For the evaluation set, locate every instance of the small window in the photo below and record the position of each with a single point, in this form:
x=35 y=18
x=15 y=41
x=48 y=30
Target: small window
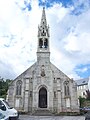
x=42 y=72
x=83 y=93
x=55 y=81
x=54 y=94
x=66 y=88
x=30 y=93
x=18 y=87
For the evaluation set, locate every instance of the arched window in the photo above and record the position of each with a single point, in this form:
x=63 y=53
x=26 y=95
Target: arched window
x=18 y=87
x=66 y=88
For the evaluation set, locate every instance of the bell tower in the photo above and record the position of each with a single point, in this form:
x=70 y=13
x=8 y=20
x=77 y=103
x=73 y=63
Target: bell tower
x=43 y=38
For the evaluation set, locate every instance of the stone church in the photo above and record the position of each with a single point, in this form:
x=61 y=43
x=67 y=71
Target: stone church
x=43 y=85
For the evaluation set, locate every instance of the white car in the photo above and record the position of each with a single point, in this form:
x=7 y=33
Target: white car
x=6 y=110
x=3 y=117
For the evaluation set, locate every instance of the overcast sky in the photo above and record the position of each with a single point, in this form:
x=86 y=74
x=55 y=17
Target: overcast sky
x=69 y=22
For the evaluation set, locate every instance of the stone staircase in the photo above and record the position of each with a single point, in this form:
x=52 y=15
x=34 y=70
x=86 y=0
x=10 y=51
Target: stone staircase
x=42 y=112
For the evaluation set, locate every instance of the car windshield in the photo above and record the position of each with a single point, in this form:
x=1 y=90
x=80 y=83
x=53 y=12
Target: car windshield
x=7 y=104
x=1 y=116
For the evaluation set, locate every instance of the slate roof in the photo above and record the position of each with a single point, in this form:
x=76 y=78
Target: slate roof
x=82 y=81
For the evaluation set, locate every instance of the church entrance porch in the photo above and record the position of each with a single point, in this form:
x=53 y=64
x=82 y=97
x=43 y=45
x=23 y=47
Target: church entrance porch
x=43 y=98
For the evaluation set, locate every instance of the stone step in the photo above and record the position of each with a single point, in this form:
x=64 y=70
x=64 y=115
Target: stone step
x=42 y=112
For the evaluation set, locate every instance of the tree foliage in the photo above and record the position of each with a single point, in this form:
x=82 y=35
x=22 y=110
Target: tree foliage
x=4 y=84
x=88 y=94
x=81 y=101
x=85 y=101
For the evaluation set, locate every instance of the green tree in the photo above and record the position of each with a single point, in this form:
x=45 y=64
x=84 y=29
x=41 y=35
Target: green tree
x=88 y=94
x=4 y=84
x=81 y=101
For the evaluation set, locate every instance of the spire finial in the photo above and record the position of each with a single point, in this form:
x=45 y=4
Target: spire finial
x=44 y=2
x=43 y=19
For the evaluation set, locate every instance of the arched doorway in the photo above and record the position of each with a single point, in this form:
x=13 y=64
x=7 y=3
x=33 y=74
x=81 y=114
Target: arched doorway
x=43 y=98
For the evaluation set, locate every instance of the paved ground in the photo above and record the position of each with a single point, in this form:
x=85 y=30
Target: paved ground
x=28 y=117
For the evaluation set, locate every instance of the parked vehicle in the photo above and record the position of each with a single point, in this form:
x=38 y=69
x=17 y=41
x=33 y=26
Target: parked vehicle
x=81 y=108
x=3 y=117
x=87 y=116
x=7 y=110
x=86 y=109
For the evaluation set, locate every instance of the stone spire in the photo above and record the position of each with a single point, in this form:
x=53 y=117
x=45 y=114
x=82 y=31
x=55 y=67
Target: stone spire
x=43 y=33
x=43 y=29
x=43 y=37
x=43 y=19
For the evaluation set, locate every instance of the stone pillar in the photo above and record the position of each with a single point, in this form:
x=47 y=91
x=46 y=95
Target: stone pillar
x=50 y=102
x=26 y=96
x=26 y=102
x=59 y=95
x=48 y=99
x=59 y=100
x=74 y=99
x=37 y=99
x=34 y=100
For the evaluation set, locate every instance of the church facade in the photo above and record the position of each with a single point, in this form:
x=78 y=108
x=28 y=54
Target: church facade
x=43 y=85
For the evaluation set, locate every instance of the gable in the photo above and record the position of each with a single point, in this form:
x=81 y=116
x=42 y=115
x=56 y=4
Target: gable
x=58 y=72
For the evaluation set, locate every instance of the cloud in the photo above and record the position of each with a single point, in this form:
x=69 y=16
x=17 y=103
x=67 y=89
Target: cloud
x=72 y=36
x=69 y=36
